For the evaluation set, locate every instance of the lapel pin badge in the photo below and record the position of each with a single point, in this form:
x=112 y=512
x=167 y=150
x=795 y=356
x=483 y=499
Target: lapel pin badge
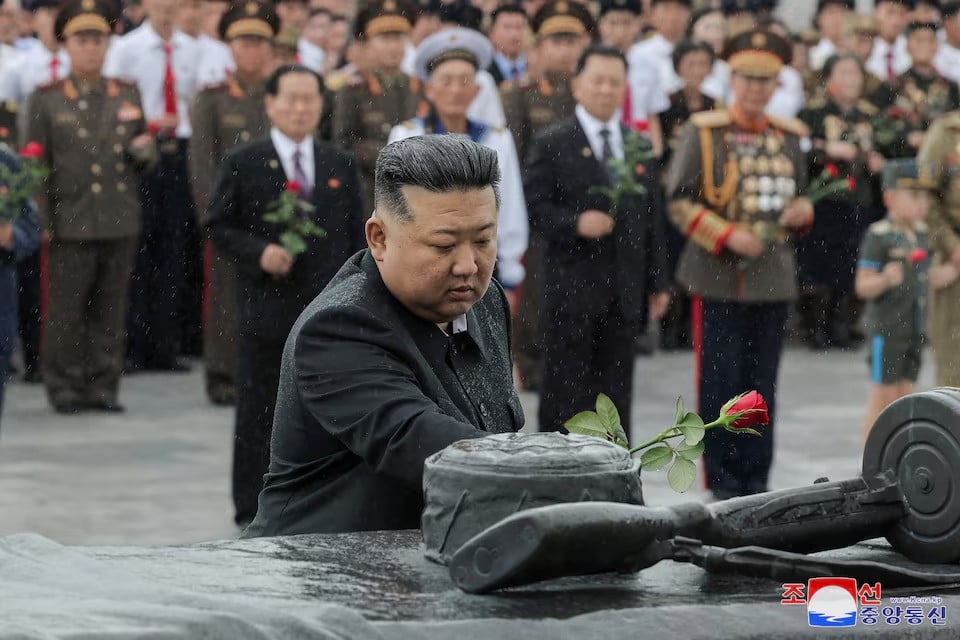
x=333 y=183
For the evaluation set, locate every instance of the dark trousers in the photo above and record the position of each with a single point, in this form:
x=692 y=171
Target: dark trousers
x=8 y=322
x=84 y=346
x=258 y=377
x=155 y=323
x=526 y=329
x=29 y=302
x=220 y=332
x=585 y=352
x=740 y=350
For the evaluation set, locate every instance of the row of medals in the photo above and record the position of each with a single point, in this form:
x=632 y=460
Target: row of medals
x=767 y=183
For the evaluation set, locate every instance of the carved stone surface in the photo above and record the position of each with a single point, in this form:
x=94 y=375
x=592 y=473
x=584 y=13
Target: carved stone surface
x=473 y=484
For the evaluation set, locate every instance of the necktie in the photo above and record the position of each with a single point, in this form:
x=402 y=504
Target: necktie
x=306 y=185
x=169 y=82
x=54 y=67
x=626 y=114
x=514 y=72
x=891 y=76
x=606 y=154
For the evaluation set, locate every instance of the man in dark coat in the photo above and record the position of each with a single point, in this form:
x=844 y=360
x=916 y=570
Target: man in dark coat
x=602 y=274
x=274 y=285
x=404 y=353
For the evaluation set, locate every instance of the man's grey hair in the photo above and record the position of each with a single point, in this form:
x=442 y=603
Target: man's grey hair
x=437 y=163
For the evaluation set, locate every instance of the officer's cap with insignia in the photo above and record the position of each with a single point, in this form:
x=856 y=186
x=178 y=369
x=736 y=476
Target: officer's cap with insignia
x=633 y=6
x=76 y=16
x=562 y=17
x=251 y=19
x=758 y=53
x=907 y=173
x=456 y=43
x=386 y=16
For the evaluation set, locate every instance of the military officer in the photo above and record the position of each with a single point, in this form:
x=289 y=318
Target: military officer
x=447 y=62
x=941 y=150
x=224 y=116
x=735 y=189
x=366 y=111
x=95 y=143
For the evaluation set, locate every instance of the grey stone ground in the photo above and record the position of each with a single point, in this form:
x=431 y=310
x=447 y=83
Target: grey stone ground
x=160 y=474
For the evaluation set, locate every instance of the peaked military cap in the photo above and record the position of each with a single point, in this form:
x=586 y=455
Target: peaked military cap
x=456 y=43
x=386 y=16
x=562 y=16
x=249 y=18
x=907 y=173
x=758 y=53
x=84 y=15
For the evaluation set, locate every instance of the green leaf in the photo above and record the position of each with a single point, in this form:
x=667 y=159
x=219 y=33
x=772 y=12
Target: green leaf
x=752 y=432
x=691 y=426
x=690 y=451
x=587 y=423
x=682 y=475
x=620 y=437
x=656 y=458
x=680 y=412
x=271 y=217
x=293 y=243
x=608 y=412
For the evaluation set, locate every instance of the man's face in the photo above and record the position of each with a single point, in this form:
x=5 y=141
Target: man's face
x=670 y=19
x=559 y=52
x=753 y=93
x=831 y=20
x=8 y=28
x=618 y=29
x=908 y=205
x=452 y=87
x=315 y=31
x=190 y=17
x=439 y=264
x=601 y=87
x=251 y=54
x=337 y=36
x=211 y=12
x=712 y=29
x=86 y=49
x=295 y=110
x=292 y=13
x=386 y=50
x=43 y=19
x=507 y=34
x=694 y=68
x=922 y=47
x=891 y=19
x=862 y=45
x=846 y=81
x=162 y=11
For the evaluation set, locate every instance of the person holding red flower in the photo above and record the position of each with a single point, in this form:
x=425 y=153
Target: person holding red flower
x=842 y=148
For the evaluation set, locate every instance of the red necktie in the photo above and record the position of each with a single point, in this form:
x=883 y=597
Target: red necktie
x=54 y=66
x=169 y=83
x=626 y=116
x=891 y=76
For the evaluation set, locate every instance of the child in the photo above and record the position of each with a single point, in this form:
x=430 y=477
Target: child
x=892 y=277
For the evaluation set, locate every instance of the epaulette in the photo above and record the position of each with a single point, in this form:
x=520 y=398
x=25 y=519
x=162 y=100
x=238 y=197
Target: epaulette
x=47 y=86
x=881 y=227
x=219 y=85
x=10 y=106
x=867 y=108
x=711 y=119
x=124 y=84
x=337 y=81
x=795 y=126
x=952 y=120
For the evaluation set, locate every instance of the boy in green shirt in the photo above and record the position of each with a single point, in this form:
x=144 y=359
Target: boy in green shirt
x=892 y=276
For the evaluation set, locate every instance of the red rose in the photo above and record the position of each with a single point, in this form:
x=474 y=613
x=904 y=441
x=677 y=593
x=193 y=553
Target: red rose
x=33 y=150
x=293 y=185
x=832 y=170
x=153 y=129
x=918 y=255
x=750 y=409
x=851 y=184
x=641 y=126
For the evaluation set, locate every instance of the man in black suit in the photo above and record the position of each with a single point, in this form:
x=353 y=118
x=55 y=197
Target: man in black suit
x=508 y=35
x=602 y=275
x=405 y=352
x=273 y=285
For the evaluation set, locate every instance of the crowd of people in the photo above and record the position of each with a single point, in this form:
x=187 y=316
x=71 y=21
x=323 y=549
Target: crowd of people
x=692 y=164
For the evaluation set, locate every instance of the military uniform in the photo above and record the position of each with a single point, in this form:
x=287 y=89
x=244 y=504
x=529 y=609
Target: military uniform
x=917 y=100
x=728 y=172
x=224 y=116
x=86 y=129
x=827 y=256
x=941 y=151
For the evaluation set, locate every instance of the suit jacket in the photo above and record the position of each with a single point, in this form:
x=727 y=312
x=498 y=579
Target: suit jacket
x=367 y=392
x=249 y=179
x=494 y=70
x=581 y=274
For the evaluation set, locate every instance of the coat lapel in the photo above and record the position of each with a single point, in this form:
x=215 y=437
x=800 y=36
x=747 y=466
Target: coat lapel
x=597 y=174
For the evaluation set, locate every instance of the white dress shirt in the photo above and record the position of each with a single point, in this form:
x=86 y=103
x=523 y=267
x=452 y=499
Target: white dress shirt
x=947 y=62
x=821 y=53
x=215 y=62
x=311 y=56
x=877 y=64
x=592 y=127
x=286 y=148
x=139 y=57
x=648 y=95
x=32 y=69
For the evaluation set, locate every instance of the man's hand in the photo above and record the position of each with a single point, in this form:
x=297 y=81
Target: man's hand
x=893 y=274
x=275 y=260
x=843 y=151
x=745 y=243
x=798 y=214
x=915 y=139
x=6 y=235
x=142 y=141
x=167 y=122
x=593 y=224
x=875 y=162
x=658 y=304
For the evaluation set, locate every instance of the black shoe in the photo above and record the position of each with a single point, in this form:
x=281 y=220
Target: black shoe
x=106 y=406
x=68 y=408
x=132 y=366
x=177 y=365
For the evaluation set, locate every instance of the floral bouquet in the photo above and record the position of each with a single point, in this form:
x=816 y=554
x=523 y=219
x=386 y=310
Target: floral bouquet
x=626 y=174
x=18 y=186
x=738 y=415
x=829 y=184
x=292 y=213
